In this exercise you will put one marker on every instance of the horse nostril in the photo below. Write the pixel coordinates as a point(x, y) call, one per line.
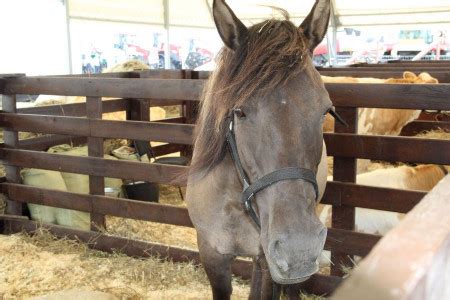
point(323, 232)
point(279, 259)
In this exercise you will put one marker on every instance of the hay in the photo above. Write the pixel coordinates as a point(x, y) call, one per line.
point(41, 264)
point(439, 134)
point(435, 134)
point(169, 194)
point(304, 296)
point(177, 236)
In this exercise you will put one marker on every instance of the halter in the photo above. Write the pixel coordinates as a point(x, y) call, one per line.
point(250, 189)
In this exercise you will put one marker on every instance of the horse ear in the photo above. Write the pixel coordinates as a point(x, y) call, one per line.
point(232, 31)
point(316, 23)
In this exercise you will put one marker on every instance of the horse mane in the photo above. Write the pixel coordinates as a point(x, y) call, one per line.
point(272, 56)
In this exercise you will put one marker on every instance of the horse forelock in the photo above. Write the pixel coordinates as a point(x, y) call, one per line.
point(275, 52)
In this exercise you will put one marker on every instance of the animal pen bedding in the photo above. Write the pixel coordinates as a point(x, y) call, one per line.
point(41, 264)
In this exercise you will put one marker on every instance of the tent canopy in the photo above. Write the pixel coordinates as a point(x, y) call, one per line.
point(197, 13)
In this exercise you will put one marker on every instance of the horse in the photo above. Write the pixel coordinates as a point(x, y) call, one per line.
point(253, 182)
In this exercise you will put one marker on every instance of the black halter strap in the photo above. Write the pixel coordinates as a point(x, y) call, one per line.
point(249, 190)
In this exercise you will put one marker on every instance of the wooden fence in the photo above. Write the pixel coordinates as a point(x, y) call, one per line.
point(412, 261)
point(135, 93)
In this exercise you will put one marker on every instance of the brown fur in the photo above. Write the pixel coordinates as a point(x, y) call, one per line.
point(425, 177)
point(381, 121)
point(272, 56)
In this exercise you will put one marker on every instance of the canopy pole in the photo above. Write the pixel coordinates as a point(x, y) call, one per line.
point(167, 64)
point(69, 39)
point(332, 41)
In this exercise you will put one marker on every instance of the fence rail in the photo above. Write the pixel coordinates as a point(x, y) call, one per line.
point(137, 92)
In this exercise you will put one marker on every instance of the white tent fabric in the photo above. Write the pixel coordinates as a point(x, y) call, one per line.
point(197, 13)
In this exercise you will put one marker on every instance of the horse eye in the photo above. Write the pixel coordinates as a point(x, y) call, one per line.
point(239, 113)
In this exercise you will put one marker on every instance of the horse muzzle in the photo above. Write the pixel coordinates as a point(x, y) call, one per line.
point(291, 262)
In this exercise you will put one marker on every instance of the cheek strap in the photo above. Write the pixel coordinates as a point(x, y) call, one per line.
point(249, 190)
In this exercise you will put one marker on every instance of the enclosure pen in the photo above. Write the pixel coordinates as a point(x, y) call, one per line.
point(136, 92)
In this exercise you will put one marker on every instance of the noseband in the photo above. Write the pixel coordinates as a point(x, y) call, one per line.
point(250, 189)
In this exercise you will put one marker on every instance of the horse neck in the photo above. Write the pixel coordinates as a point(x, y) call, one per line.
point(223, 178)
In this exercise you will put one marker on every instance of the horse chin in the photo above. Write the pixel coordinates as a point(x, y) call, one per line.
point(292, 277)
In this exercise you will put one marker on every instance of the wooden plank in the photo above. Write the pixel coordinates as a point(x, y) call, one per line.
point(94, 110)
point(412, 260)
point(346, 241)
point(11, 140)
point(140, 110)
point(388, 148)
point(154, 131)
point(344, 169)
point(175, 89)
point(405, 96)
point(132, 74)
point(385, 148)
point(434, 116)
point(319, 284)
point(167, 149)
point(158, 173)
point(417, 127)
point(349, 194)
point(190, 112)
point(415, 69)
point(42, 143)
point(99, 204)
point(441, 76)
point(179, 120)
point(75, 109)
point(162, 74)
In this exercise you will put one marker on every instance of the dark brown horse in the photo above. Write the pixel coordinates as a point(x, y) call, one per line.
point(260, 127)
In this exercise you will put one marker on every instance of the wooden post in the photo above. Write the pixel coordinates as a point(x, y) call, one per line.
point(94, 110)
point(140, 110)
point(11, 140)
point(344, 169)
point(189, 113)
point(412, 261)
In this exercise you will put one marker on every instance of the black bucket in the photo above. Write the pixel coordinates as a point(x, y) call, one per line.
point(143, 191)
